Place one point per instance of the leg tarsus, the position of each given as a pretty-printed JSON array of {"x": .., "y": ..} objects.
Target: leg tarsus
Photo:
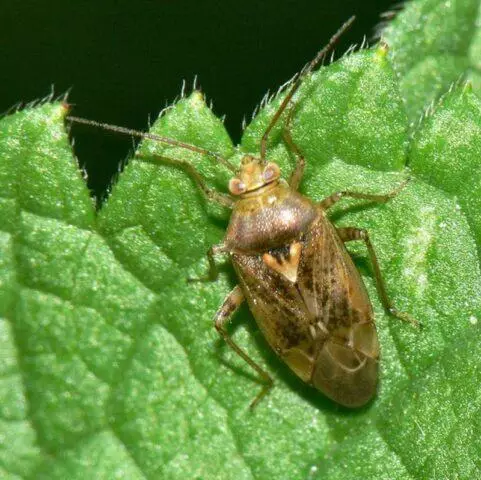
[
  {"x": 335, "y": 197},
  {"x": 349, "y": 234},
  {"x": 268, "y": 384},
  {"x": 231, "y": 303},
  {"x": 405, "y": 317},
  {"x": 213, "y": 273}
]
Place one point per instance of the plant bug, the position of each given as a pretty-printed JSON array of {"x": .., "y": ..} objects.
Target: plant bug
[{"x": 294, "y": 271}]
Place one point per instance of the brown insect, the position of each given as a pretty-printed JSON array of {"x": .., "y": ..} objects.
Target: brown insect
[{"x": 294, "y": 271}]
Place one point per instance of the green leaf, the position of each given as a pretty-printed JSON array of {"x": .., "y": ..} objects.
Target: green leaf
[
  {"x": 449, "y": 141},
  {"x": 111, "y": 367},
  {"x": 339, "y": 101},
  {"x": 433, "y": 44}
]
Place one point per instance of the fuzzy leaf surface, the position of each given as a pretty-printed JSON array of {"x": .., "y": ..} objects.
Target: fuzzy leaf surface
[
  {"x": 110, "y": 365},
  {"x": 433, "y": 44}
]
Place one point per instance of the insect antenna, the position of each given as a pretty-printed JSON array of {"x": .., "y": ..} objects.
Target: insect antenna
[
  {"x": 298, "y": 81},
  {"x": 153, "y": 136}
]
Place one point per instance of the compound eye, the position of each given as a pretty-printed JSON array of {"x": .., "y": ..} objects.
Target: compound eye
[
  {"x": 236, "y": 187},
  {"x": 271, "y": 172}
]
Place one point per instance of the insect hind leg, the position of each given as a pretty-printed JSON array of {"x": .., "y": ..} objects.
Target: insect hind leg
[
  {"x": 231, "y": 304},
  {"x": 349, "y": 234}
]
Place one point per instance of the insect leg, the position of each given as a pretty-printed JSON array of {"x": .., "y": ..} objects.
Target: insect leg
[
  {"x": 231, "y": 303},
  {"x": 335, "y": 197},
  {"x": 298, "y": 81},
  {"x": 298, "y": 172},
  {"x": 349, "y": 234},
  {"x": 213, "y": 270},
  {"x": 209, "y": 193}
]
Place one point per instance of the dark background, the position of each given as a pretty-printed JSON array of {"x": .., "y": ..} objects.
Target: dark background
[{"x": 124, "y": 60}]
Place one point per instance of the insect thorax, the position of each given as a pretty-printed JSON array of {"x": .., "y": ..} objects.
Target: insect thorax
[{"x": 272, "y": 219}]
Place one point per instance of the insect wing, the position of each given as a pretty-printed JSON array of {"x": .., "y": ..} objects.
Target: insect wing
[
  {"x": 314, "y": 311},
  {"x": 346, "y": 361},
  {"x": 279, "y": 310}
]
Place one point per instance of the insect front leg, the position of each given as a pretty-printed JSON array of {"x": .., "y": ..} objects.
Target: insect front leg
[
  {"x": 335, "y": 197},
  {"x": 298, "y": 172},
  {"x": 231, "y": 304},
  {"x": 349, "y": 234},
  {"x": 210, "y": 194},
  {"x": 213, "y": 273}
]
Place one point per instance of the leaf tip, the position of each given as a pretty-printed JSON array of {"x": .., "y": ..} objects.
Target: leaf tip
[
  {"x": 197, "y": 99},
  {"x": 66, "y": 107},
  {"x": 382, "y": 51},
  {"x": 59, "y": 111}
]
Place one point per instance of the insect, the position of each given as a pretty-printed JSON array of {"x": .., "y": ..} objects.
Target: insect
[{"x": 294, "y": 271}]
